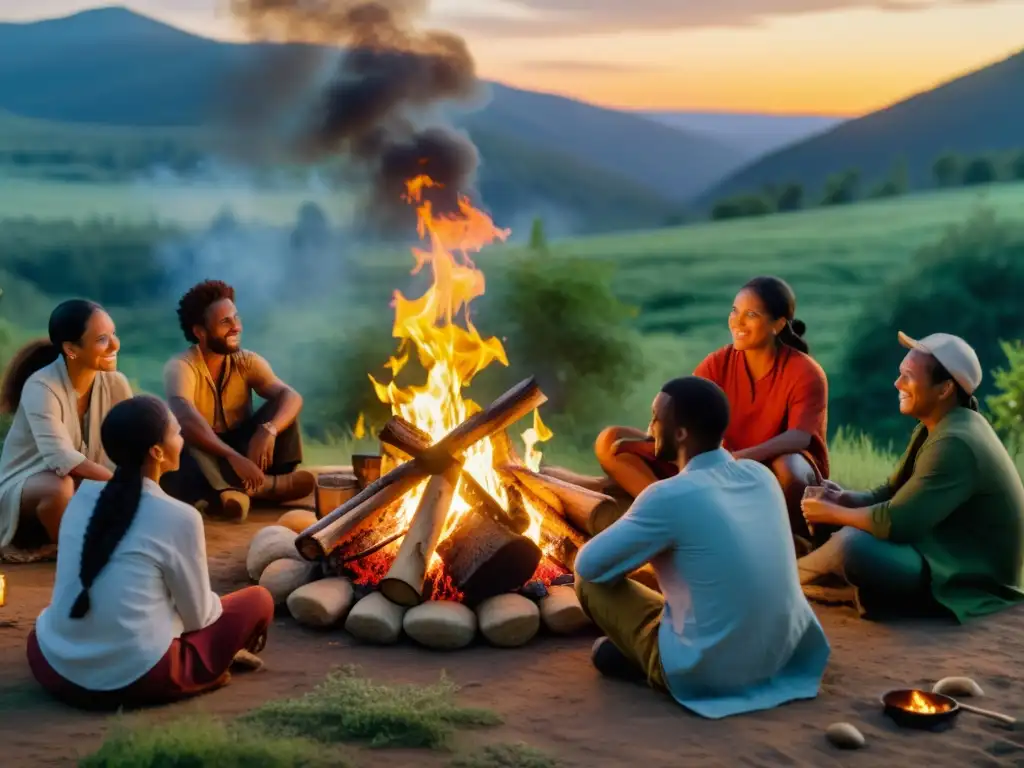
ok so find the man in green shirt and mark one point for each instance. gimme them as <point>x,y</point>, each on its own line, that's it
<point>945,533</point>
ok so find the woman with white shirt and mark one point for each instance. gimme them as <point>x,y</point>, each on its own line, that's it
<point>59,390</point>
<point>133,620</point>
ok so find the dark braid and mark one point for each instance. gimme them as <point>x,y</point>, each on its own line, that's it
<point>780,301</point>
<point>128,432</point>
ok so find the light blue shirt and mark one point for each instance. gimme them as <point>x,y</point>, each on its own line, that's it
<point>737,634</point>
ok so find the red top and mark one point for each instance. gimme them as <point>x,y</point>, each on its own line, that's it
<point>792,395</point>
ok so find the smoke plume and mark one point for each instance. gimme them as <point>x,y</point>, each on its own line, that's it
<point>375,105</point>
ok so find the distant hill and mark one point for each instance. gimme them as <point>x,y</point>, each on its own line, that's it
<point>751,134</point>
<point>113,66</point>
<point>980,112</point>
<point>516,181</point>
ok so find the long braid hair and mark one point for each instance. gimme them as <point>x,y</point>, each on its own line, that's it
<point>780,301</point>
<point>130,429</point>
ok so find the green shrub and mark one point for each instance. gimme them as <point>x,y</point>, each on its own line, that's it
<point>1006,408</point>
<point>969,284</point>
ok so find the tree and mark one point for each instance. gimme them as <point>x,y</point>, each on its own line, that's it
<point>947,170</point>
<point>538,239</point>
<point>841,188</point>
<point>1017,166</point>
<point>1006,408</point>
<point>791,198</point>
<point>968,283</point>
<point>740,207</point>
<point>980,170</point>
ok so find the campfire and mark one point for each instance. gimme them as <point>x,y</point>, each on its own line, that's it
<point>457,521</point>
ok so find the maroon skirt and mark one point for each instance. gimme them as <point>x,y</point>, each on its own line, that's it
<point>195,663</point>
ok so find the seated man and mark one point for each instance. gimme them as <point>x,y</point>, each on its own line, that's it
<point>233,453</point>
<point>733,633</point>
<point>946,532</point>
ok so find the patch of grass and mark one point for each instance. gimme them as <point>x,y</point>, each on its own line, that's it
<point>505,756</point>
<point>195,742</point>
<point>350,708</point>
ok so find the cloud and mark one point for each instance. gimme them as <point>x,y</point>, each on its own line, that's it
<point>563,18</point>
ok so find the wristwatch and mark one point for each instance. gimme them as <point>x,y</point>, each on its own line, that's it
<point>269,426</point>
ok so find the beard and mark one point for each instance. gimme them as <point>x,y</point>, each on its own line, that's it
<point>221,346</point>
<point>666,449</point>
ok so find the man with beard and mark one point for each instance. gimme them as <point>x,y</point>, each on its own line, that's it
<point>233,453</point>
<point>731,631</point>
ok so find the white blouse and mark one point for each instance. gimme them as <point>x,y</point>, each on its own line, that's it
<point>155,587</point>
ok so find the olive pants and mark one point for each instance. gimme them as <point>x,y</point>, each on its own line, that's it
<point>629,614</point>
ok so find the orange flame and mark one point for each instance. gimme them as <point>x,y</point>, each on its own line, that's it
<point>438,328</point>
<point>920,704</point>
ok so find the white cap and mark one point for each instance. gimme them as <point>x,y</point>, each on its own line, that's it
<point>955,354</point>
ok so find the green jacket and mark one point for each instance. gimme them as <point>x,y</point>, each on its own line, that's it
<point>957,498</point>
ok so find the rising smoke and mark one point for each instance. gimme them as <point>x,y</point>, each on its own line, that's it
<point>375,107</point>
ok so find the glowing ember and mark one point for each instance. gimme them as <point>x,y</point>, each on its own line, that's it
<point>437,327</point>
<point>921,705</point>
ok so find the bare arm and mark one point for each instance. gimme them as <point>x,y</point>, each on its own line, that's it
<point>790,441</point>
<point>285,402</point>
<point>90,470</point>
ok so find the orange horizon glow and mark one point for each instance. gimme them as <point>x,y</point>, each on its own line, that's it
<point>840,63</point>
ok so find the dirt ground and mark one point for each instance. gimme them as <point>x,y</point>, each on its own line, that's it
<point>551,698</point>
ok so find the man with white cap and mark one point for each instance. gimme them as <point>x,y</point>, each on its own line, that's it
<point>945,533</point>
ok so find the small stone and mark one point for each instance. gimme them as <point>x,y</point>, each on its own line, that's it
<point>282,577</point>
<point>563,580</point>
<point>957,686</point>
<point>845,736</point>
<point>441,624</point>
<point>375,619</point>
<point>508,621</point>
<point>297,520</point>
<point>535,590</point>
<point>561,611</point>
<point>275,542</point>
<point>321,603</point>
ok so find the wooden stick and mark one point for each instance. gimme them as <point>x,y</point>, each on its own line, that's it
<point>987,713</point>
<point>587,510</point>
<point>560,540</point>
<point>403,584</point>
<point>413,442</point>
<point>318,540</point>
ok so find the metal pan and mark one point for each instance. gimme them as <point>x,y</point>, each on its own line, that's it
<point>899,706</point>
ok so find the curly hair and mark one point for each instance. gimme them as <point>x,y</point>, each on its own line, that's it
<point>193,305</point>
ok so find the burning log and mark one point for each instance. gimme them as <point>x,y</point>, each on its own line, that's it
<point>586,510</point>
<point>561,541</point>
<point>403,584</point>
<point>485,558</point>
<point>413,442</point>
<point>358,513</point>
<point>318,540</point>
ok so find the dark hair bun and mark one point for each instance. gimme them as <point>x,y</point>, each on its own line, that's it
<point>799,327</point>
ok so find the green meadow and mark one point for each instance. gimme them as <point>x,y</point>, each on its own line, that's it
<point>679,283</point>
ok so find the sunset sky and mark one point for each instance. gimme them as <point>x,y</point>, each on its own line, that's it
<point>835,57</point>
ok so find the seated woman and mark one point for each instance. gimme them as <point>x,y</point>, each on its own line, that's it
<point>778,396</point>
<point>133,620</point>
<point>59,391</point>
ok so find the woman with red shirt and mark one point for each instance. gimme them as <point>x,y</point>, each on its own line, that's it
<point>778,399</point>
